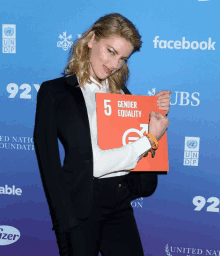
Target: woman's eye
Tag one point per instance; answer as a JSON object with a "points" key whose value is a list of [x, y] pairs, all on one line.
{"points": [[111, 52]]}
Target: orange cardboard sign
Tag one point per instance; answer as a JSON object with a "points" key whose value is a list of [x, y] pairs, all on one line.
{"points": [[123, 119]]}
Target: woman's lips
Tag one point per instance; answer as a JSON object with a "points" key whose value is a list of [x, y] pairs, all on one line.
{"points": [[107, 70]]}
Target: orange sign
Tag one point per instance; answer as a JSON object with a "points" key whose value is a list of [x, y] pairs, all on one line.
{"points": [[122, 119]]}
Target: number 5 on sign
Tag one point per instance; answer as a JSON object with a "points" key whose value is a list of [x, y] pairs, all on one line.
{"points": [[107, 108]]}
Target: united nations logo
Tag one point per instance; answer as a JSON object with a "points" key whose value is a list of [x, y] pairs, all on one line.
{"points": [[192, 143], [9, 31]]}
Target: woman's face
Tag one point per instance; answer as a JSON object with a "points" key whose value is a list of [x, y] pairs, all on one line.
{"points": [[108, 56]]}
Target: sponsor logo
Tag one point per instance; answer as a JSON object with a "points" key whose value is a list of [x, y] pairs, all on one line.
{"points": [[152, 92], [23, 91], [65, 42], [138, 203], [8, 38], [175, 250], [191, 151], [181, 98], [8, 235], [16, 143], [6, 190], [192, 144], [200, 202], [185, 98], [184, 44]]}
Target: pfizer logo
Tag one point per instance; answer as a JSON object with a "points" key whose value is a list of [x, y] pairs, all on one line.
{"points": [[9, 31], [192, 143], [8, 235]]}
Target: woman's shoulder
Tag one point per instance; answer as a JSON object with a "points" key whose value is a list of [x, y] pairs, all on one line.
{"points": [[59, 88], [54, 83], [61, 83], [56, 86]]}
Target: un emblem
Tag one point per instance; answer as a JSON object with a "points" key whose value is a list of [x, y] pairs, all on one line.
{"points": [[192, 143], [9, 31]]}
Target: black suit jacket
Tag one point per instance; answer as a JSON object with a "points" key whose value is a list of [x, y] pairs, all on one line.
{"points": [[61, 113]]}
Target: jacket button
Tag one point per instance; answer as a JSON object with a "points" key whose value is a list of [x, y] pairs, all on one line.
{"points": [[87, 161]]}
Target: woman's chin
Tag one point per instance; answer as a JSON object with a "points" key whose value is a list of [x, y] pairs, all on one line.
{"points": [[102, 77]]}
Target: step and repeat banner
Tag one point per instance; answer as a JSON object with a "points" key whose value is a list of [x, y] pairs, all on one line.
{"points": [[180, 52]]}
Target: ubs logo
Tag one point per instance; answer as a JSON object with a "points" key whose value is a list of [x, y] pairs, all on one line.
{"points": [[152, 92], [65, 41], [185, 98]]}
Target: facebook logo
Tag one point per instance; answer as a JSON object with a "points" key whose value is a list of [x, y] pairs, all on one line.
{"points": [[191, 151]]}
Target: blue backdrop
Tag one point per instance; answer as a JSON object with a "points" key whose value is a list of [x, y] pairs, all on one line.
{"points": [[180, 53]]}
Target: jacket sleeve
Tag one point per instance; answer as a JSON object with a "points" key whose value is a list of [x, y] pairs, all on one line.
{"points": [[48, 157]]}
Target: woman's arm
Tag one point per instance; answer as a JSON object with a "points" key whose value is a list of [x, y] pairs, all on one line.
{"points": [[47, 152], [118, 159]]}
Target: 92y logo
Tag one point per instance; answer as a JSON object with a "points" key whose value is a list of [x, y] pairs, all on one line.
{"points": [[200, 202], [24, 90]]}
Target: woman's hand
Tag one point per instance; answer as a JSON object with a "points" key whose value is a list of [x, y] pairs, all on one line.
{"points": [[164, 100], [158, 124]]}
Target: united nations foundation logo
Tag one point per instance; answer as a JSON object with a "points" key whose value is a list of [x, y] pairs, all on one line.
{"points": [[9, 31], [192, 143], [65, 42], [16, 143], [189, 251]]}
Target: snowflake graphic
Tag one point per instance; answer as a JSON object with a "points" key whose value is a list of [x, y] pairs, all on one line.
{"points": [[65, 43]]}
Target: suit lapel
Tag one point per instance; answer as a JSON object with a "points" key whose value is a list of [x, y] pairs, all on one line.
{"points": [[77, 95]]}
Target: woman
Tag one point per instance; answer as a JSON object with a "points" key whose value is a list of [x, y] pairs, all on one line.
{"points": [[89, 196]]}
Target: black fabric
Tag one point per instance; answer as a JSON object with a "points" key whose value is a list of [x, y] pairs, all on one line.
{"points": [[110, 229]]}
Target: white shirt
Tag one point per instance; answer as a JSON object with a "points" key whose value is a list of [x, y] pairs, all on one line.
{"points": [[111, 162]]}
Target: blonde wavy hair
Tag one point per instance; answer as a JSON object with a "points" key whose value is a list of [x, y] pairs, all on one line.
{"points": [[108, 25]]}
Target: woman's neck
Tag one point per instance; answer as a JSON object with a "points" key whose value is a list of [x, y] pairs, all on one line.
{"points": [[102, 82]]}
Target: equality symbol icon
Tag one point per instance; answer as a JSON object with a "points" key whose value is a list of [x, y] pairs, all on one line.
{"points": [[132, 138]]}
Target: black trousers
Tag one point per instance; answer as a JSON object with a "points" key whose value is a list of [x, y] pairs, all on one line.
{"points": [[111, 228]]}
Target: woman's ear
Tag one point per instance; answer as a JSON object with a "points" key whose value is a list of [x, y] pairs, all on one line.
{"points": [[91, 42]]}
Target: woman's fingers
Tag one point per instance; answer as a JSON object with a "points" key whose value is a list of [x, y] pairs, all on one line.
{"points": [[164, 92], [164, 100]]}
